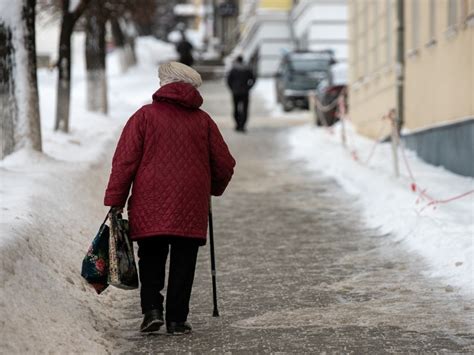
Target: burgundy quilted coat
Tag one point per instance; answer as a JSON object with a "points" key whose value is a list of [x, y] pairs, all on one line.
{"points": [[175, 157]]}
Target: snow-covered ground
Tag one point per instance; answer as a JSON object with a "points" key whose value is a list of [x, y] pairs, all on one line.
{"points": [[44, 303], [442, 233]]}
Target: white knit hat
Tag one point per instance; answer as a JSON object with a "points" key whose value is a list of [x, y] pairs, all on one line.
{"points": [[173, 72]]}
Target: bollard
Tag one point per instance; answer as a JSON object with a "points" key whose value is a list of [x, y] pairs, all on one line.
{"points": [[395, 142], [312, 105], [342, 117]]}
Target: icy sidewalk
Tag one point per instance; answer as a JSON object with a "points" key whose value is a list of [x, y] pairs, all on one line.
{"points": [[52, 208], [443, 234]]}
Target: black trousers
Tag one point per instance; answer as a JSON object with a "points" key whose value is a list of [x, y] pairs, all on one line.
{"points": [[152, 254], [241, 106]]}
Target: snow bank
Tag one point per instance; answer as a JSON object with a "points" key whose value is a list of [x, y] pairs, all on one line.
{"points": [[443, 235], [52, 208], [151, 51]]}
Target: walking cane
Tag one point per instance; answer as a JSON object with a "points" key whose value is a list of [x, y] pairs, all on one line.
{"points": [[215, 313]]}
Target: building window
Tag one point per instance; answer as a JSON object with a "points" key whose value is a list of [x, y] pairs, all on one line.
{"points": [[470, 13], [415, 24], [355, 39], [389, 29], [376, 35], [432, 24], [366, 39], [415, 28], [452, 13]]}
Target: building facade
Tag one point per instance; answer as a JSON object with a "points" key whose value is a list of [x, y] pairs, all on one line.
{"points": [[265, 33], [322, 25], [425, 68]]}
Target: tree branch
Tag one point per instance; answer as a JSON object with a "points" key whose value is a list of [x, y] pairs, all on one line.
{"points": [[80, 9]]}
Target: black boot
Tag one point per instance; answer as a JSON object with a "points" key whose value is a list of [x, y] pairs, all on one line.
{"points": [[152, 321], [178, 328]]}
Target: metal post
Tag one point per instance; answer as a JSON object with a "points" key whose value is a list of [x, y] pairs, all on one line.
{"points": [[395, 141], [342, 117], [400, 68]]}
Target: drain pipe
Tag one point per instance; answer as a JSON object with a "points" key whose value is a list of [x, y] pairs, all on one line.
{"points": [[400, 69]]}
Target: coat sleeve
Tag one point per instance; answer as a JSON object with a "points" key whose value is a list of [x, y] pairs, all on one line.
{"points": [[251, 81], [125, 162], [222, 162], [230, 78]]}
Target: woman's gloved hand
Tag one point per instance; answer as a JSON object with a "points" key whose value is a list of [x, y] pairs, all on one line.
{"points": [[116, 209]]}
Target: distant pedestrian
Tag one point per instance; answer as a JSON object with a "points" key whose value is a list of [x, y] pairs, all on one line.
{"points": [[240, 80], [173, 156], [185, 50]]}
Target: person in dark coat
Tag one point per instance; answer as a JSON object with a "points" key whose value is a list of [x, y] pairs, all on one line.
{"points": [[173, 156], [240, 80], [185, 50]]}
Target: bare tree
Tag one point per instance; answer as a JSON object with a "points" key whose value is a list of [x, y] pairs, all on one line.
{"points": [[128, 19], [124, 42], [19, 104], [95, 57], [69, 19]]}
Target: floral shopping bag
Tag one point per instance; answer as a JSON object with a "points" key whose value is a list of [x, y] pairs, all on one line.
{"points": [[122, 268], [95, 265]]}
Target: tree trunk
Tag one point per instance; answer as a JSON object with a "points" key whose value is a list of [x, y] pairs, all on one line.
{"points": [[64, 74], [19, 104], [131, 51], [8, 105], [130, 34], [95, 59], [120, 44], [125, 43], [33, 114], [69, 19], [117, 32]]}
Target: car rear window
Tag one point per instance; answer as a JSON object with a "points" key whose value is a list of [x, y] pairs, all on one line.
{"points": [[305, 65]]}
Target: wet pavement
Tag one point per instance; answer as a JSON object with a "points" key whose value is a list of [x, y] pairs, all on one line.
{"points": [[298, 271]]}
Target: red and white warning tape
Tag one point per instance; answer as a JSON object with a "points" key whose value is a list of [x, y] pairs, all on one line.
{"points": [[390, 117]]}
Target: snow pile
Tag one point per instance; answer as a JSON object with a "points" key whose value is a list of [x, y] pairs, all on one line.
{"points": [[52, 208], [151, 51], [443, 233]]}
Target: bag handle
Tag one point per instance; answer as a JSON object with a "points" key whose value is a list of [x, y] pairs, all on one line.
{"points": [[107, 216]]}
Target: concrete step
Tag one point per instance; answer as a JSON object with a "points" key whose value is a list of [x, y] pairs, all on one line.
{"points": [[210, 72]]}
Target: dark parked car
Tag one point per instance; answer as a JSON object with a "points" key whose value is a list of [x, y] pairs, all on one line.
{"points": [[299, 73], [327, 111]]}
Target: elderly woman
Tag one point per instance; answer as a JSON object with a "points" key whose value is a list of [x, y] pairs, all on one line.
{"points": [[175, 157]]}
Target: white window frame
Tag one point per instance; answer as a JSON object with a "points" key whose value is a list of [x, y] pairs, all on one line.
{"points": [[366, 39], [432, 24], [355, 19], [375, 48], [470, 14], [415, 28], [452, 15], [389, 31]]}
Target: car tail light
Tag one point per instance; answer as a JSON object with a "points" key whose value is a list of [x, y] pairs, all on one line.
{"points": [[332, 90]]}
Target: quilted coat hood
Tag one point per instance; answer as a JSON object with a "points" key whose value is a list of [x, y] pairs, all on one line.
{"points": [[183, 94]]}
